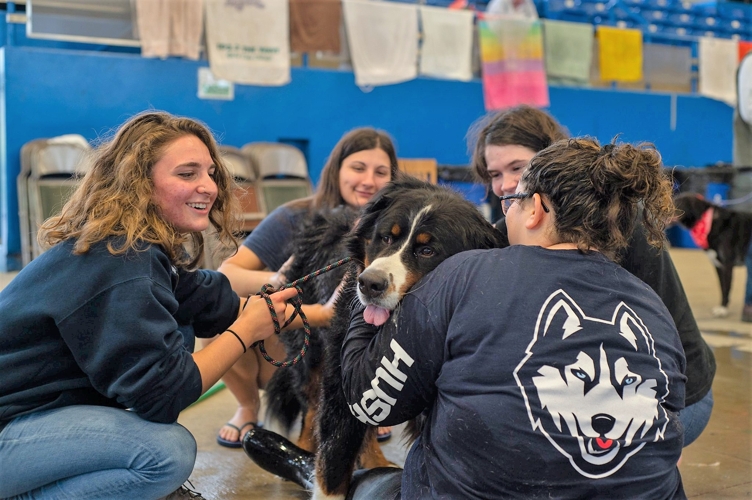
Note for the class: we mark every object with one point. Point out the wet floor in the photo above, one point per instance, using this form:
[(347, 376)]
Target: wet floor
[(716, 466)]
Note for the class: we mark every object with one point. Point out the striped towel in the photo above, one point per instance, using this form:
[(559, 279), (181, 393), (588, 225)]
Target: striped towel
[(511, 53)]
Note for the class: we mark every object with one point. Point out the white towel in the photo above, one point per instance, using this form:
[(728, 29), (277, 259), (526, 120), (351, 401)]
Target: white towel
[(383, 38), (447, 43), (170, 27), (718, 60), (248, 41)]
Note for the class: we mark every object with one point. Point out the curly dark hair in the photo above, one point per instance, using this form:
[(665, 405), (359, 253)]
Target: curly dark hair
[(597, 192)]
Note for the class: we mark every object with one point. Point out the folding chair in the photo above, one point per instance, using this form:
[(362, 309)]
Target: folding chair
[(245, 172), (253, 210), (283, 172), (50, 171)]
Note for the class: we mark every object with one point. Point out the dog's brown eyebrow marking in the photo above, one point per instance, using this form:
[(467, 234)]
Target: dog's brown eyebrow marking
[(396, 230), (423, 238)]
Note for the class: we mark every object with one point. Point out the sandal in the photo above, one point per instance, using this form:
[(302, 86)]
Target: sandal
[(235, 444), (384, 437)]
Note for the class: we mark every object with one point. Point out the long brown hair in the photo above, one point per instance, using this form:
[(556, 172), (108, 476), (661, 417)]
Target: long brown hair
[(520, 126), (115, 197), (328, 194), (596, 192)]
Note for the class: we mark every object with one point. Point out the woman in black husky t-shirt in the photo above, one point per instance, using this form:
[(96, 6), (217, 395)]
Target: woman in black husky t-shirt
[(545, 370)]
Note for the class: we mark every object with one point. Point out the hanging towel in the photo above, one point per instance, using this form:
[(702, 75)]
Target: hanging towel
[(744, 47), (669, 65), (170, 27), (248, 41), (511, 52), (568, 49), (447, 43), (718, 60), (620, 54), (314, 25), (383, 39), (521, 9)]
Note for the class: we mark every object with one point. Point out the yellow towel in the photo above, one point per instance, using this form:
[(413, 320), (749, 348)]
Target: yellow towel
[(620, 54)]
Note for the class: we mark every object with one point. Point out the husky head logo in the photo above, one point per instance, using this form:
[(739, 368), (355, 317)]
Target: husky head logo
[(593, 387)]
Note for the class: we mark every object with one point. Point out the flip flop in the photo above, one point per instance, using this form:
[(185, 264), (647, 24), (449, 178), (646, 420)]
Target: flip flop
[(235, 444), (384, 437)]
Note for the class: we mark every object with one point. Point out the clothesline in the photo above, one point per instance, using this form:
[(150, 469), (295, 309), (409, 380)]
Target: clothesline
[(249, 42)]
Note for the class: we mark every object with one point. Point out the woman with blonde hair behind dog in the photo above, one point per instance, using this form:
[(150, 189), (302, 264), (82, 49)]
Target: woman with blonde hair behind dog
[(544, 369), (97, 334)]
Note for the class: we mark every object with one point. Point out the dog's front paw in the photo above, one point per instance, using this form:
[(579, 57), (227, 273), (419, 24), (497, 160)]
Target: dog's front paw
[(719, 312)]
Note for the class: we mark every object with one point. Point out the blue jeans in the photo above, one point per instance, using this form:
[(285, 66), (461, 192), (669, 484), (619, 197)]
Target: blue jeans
[(93, 452), (695, 418)]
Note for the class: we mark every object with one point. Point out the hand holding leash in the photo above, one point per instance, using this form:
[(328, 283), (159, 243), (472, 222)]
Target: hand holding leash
[(297, 303)]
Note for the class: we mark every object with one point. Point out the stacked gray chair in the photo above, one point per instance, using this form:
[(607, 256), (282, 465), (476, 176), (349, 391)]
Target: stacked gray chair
[(251, 201), (245, 172), (51, 169), (283, 172)]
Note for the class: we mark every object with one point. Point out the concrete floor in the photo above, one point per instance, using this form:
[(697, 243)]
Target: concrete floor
[(717, 466)]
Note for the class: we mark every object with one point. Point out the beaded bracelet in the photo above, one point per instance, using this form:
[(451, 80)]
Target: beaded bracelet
[(245, 349)]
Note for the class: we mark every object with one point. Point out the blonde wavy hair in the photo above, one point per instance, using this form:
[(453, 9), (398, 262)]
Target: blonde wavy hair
[(114, 200)]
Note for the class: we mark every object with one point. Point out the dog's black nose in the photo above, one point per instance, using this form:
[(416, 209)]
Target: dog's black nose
[(372, 284), (603, 423)]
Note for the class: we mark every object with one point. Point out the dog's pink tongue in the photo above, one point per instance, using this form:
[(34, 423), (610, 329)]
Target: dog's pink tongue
[(375, 315)]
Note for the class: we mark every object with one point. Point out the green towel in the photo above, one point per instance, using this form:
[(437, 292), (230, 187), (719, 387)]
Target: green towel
[(568, 49)]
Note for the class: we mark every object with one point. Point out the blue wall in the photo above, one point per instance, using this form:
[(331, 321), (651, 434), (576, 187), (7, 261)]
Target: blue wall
[(49, 92)]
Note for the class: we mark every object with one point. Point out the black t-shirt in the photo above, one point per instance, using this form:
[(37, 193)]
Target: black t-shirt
[(656, 268), (543, 374)]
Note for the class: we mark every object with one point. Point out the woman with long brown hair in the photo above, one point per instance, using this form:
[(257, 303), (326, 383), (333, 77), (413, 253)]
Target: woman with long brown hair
[(97, 333)]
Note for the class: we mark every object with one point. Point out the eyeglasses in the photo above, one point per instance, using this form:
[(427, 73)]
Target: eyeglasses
[(507, 200)]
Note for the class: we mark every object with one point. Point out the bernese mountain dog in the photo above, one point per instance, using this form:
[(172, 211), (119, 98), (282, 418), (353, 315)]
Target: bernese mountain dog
[(403, 233)]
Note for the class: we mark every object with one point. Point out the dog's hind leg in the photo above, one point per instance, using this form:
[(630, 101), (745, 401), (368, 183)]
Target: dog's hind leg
[(307, 439), (725, 273)]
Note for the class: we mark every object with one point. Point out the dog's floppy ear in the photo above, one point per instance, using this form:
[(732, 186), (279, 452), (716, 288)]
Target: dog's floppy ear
[(483, 234), (381, 201), (359, 235)]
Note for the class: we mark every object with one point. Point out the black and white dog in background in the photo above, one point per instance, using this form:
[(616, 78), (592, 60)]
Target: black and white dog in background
[(723, 233)]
